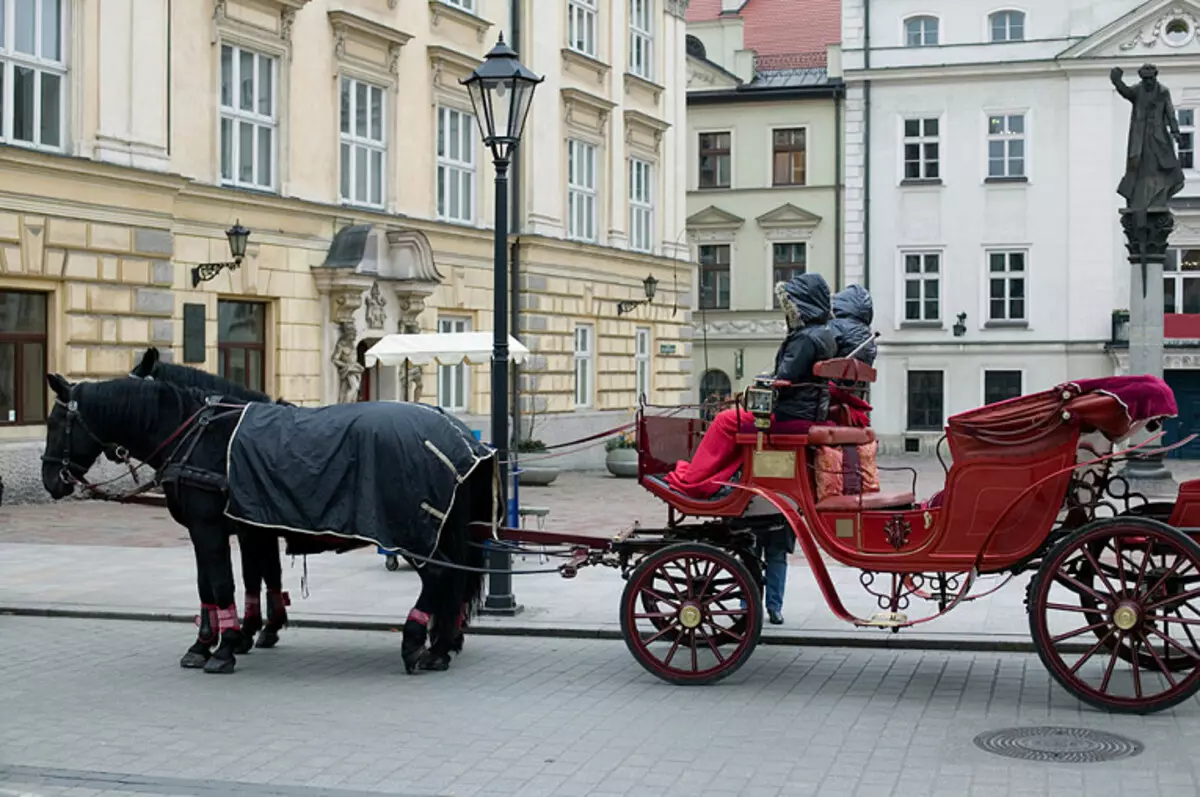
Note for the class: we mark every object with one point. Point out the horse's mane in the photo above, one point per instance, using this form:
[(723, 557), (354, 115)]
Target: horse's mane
[(186, 376), (141, 403)]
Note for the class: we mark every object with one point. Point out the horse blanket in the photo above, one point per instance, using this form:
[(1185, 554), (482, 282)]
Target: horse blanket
[(387, 472)]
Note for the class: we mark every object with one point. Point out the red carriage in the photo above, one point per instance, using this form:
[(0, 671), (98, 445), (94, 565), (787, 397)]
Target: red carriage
[(1031, 488)]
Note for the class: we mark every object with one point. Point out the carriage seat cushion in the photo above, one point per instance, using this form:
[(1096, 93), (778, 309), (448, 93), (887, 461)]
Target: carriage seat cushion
[(845, 469), (853, 503), (840, 436)]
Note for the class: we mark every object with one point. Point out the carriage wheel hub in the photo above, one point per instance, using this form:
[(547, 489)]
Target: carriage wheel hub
[(1126, 616), (690, 615)]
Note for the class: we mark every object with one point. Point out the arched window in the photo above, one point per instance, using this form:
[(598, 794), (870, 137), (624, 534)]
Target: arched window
[(695, 47), (715, 387), (1007, 26), (921, 31)]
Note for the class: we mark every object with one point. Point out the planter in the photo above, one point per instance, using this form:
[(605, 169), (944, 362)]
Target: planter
[(536, 475), (622, 462)]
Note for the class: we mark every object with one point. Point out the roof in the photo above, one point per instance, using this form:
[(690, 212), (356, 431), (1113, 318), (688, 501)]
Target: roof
[(793, 32)]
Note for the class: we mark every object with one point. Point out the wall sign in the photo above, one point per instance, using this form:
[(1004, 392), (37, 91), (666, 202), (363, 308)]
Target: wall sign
[(666, 348), (193, 333)]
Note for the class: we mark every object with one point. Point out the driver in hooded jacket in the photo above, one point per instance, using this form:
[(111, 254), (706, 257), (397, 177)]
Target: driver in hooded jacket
[(806, 306), (853, 313)]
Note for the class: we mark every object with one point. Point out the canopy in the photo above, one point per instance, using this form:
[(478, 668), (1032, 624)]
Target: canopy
[(444, 348)]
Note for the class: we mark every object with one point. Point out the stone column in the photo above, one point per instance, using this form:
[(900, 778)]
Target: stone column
[(411, 306)]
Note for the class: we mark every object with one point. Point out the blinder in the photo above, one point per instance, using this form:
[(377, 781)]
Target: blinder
[(73, 472)]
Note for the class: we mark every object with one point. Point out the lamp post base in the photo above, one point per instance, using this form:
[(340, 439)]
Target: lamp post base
[(501, 606), (1150, 477)]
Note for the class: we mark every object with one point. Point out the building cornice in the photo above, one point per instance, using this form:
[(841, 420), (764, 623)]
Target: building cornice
[(1004, 69), (824, 91)]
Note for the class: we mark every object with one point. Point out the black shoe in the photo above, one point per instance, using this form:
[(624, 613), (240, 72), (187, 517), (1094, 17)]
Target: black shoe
[(775, 617)]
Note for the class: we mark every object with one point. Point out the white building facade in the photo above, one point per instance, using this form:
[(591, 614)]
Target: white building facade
[(984, 146)]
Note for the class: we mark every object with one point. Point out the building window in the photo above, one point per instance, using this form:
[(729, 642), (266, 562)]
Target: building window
[(1187, 137), (788, 261), (790, 156), (1007, 26), (364, 143), (922, 286), (22, 357), (714, 277), (465, 5), (1006, 286), (1001, 386), (1006, 145), (641, 361), (455, 165), (641, 206), (581, 190), (715, 160), (1181, 281), (925, 400), (641, 37), (585, 350), (921, 31), (581, 26), (452, 379), (33, 64), (249, 117), (242, 343), (922, 149)]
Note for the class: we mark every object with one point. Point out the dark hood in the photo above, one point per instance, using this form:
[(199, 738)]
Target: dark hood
[(805, 299), (854, 302)]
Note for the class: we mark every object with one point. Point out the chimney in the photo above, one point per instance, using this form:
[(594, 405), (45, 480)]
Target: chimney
[(732, 6)]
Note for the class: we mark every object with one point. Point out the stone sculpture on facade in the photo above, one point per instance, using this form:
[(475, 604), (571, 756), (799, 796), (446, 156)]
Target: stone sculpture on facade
[(345, 360), (410, 307), (376, 311)]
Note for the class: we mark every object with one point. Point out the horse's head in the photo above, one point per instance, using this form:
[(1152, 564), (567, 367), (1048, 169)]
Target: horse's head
[(71, 447), (145, 369)]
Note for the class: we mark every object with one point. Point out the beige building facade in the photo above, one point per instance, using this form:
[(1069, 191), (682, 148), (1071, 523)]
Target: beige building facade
[(135, 132), (764, 192)]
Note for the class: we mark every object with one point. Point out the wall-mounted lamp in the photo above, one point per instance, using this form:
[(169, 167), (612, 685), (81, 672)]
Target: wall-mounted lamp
[(650, 284), (960, 328), (238, 236)]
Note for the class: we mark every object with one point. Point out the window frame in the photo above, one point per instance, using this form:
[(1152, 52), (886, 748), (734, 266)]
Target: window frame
[(368, 144), (923, 277), (224, 349), (716, 152), (983, 377), (236, 116), (1007, 138), (908, 395), (990, 21), (447, 169), (585, 358), (1187, 132), (450, 323), (643, 374), (1007, 278), (465, 5), (641, 204), (716, 267), (18, 341), (643, 67), (922, 140), (12, 59), (923, 18), (577, 193), (776, 152), (1175, 276), (788, 265), (587, 14)]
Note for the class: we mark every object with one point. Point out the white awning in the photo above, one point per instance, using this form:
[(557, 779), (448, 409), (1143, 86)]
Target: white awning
[(444, 348)]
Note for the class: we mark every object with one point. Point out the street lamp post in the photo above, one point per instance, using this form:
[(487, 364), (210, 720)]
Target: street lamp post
[(238, 237), (501, 91)]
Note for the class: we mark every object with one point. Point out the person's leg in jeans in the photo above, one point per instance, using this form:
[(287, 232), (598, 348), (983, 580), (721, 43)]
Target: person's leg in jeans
[(776, 545)]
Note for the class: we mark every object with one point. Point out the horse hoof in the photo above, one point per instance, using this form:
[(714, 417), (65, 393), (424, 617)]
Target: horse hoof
[(269, 638), (193, 661), (434, 662), (220, 666), (245, 645)]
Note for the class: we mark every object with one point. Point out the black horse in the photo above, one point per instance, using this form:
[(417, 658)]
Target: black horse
[(259, 550), (186, 437)]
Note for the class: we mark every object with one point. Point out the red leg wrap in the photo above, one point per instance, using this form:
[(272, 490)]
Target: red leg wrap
[(227, 618), (253, 605), (418, 616), (209, 611), (282, 596)]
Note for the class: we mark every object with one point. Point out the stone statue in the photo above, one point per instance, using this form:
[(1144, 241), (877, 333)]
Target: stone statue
[(375, 308), (345, 359), (1152, 171)]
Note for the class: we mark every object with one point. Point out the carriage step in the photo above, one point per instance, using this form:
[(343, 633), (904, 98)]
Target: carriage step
[(887, 620)]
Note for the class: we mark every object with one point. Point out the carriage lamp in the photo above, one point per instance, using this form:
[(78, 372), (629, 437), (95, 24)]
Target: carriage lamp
[(759, 399), (650, 286), (960, 328), (238, 237)]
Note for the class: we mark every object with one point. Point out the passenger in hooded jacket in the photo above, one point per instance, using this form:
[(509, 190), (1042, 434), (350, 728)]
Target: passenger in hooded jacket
[(853, 313), (805, 303)]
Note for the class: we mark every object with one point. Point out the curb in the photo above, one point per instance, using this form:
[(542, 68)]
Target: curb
[(1009, 643)]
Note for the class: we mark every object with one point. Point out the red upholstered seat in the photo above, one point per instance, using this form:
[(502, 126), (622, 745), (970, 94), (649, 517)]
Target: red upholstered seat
[(840, 436), (853, 503)]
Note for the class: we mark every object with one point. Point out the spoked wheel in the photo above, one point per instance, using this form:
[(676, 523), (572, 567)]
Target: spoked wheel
[(1108, 582), (691, 614)]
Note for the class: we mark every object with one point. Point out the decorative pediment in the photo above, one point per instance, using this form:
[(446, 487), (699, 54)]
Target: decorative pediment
[(713, 218), (450, 66), (441, 12), (392, 256), (788, 222), (1159, 28), (644, 131), (704, 75), (265, 22), (360, 41), (587, 111)]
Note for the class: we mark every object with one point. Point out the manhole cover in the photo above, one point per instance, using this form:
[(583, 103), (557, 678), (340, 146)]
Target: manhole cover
[(1063, 745)]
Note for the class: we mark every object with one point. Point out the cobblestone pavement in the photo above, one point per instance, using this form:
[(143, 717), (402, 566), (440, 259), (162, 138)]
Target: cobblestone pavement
[(86, 702)]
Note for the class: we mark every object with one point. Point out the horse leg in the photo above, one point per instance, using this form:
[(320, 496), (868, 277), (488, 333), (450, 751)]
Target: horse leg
[(277, 599), (212, 546), (446, 596), (416, 627), (206, 637), (252, 621)]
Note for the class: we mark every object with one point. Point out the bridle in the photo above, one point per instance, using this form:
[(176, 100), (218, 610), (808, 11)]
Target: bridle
[(72, 472)]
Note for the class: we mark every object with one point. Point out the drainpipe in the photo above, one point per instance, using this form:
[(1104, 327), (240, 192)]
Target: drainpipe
[(516, 223), (838, 266), (867, 147)]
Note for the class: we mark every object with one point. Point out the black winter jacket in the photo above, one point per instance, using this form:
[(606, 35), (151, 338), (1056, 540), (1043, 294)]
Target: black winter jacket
[(805, 302), (853, 313)]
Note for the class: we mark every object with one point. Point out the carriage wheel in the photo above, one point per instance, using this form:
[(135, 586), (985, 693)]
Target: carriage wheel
[(705, 619), (1125, 605)]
